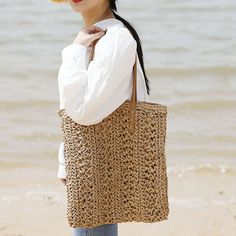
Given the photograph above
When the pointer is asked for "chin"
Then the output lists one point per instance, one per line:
(78, 6)
(83, 5)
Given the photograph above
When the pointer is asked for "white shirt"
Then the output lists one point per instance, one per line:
(90, 92)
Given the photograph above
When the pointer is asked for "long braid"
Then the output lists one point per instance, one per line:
(136, 37)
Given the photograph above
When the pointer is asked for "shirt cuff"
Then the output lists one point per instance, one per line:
(61, 173)
(77, 53)
(61, 159)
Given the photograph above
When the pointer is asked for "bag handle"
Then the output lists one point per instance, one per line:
(132, 103)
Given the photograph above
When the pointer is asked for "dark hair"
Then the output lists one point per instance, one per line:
(136, 37)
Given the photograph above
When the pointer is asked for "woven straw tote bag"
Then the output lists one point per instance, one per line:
(116, 169)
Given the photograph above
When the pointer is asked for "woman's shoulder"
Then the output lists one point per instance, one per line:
(119, 30)
(117, 35)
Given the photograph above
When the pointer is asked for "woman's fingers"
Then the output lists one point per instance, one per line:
(88, 34)
(63, 181)
(94, 29)
(91, 29)
(97, 35)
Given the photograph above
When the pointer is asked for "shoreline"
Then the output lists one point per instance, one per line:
(34, 203)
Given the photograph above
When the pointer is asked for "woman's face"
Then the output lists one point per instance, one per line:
(85, 5)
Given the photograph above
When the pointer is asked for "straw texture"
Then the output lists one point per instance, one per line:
(116, 169)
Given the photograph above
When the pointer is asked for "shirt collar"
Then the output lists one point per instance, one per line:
(104, 24)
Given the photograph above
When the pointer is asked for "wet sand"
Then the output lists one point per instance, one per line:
(189, 52)
(202, 203)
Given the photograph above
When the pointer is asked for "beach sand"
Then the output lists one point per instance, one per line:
(189, 52)
(202, 203)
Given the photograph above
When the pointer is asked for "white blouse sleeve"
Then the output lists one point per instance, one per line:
(90, 94)
(61, 173)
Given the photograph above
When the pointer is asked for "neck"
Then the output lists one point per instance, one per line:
(96, 14)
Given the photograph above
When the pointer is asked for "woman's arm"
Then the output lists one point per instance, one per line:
(90, 94)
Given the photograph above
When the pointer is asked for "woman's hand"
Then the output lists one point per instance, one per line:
(63, 181)
(87, 35)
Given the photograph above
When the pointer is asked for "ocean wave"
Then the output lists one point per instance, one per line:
(201, 169)
(196, 202)
(49, 197)
(203, 104)
(223, 70)
(26, 104)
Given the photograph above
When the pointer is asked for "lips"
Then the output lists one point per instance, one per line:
(77, 1)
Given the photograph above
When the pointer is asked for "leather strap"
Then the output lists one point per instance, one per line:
(132, 104)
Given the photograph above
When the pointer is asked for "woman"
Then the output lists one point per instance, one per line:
(89, 92)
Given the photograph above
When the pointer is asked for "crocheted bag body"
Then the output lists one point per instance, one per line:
(115, 176)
